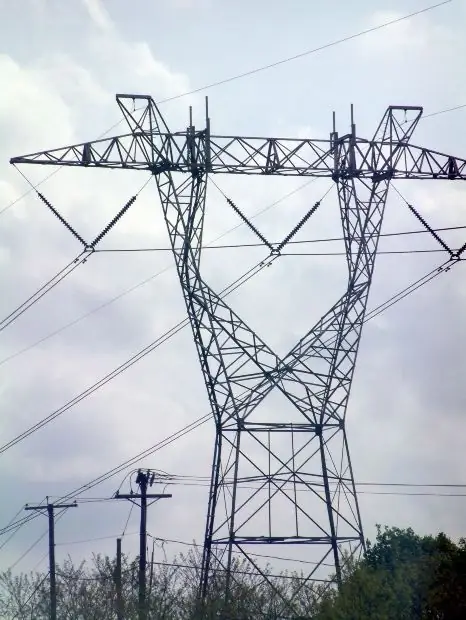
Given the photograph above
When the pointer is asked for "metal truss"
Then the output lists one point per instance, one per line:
(280, 476)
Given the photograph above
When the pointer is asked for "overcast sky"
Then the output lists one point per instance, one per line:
(61, 64)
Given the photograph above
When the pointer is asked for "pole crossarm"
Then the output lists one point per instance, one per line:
(49, 509)
(150, 146)
(281, 475)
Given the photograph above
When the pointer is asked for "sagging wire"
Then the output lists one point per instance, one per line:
(301, 223)
(257, 268)
(34, 592)
(275, 249)
(454, 255)
(44, 289)
(203, 419)
(88, 249)
(249, 224)
(12, 520)
(127, 520)
(373, 313)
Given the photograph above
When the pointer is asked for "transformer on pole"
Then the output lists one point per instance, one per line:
(287, 479)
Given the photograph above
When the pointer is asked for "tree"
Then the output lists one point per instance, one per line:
(88, 592)
(403, 577)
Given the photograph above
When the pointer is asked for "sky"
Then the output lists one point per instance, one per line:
(61, 64)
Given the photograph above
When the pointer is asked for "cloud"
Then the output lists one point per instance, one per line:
(98, 15)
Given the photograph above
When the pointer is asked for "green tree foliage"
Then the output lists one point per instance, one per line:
(88, 592)
(403, 577)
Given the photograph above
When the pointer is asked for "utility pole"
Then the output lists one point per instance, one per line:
(151, 577)
(144, 480)
(118, 582)
(50, 508)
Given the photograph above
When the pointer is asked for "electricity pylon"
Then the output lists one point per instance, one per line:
(263, 461)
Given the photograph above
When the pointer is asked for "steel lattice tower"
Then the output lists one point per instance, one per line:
(260, 462)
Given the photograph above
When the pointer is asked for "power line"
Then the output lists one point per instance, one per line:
(34, 592)
(304, 490)
(433, 251)
(152, 277)
(98, 538)
(118, 469)
(202, 420)
(48, 176)
(337, 480)
(138, 356)
(295, 242)
(256, 555)
(5, 542)
(457, 107)
(155, 344)
(88, 249)
(308, 52)
(394, 299)
(127, 520)
(38, 540)
(208, 247)
(257, 70)
(43, 290)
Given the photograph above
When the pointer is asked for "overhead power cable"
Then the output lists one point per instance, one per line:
(308, 52)
(19, 613)
(127, 520)
(138, 356)
(35, 543)
(336, 480)
(305, 489)
(203, 419)
(88, 540)
(400, 233)
(264, 68)
(241, 245)
(88, 249)
(175, 329)
(44, 289)
(116, 470)
(12, 520)
(456, 107)
(48, 176)
(371, 314)
(453, 255)
(386, 304)
(150, 278)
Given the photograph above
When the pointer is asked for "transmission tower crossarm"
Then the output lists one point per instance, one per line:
(417, 162)
(227, 154)
(250, 156)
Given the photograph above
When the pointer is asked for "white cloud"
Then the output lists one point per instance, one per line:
(98, 15)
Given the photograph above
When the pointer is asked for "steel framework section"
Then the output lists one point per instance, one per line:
(280, 477)
(148, 148)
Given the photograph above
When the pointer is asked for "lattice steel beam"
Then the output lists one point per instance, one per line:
(150, 146)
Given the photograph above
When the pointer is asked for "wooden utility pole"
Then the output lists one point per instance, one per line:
(144, 480)
(119, 594)
(151, 568)
(50, 508)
